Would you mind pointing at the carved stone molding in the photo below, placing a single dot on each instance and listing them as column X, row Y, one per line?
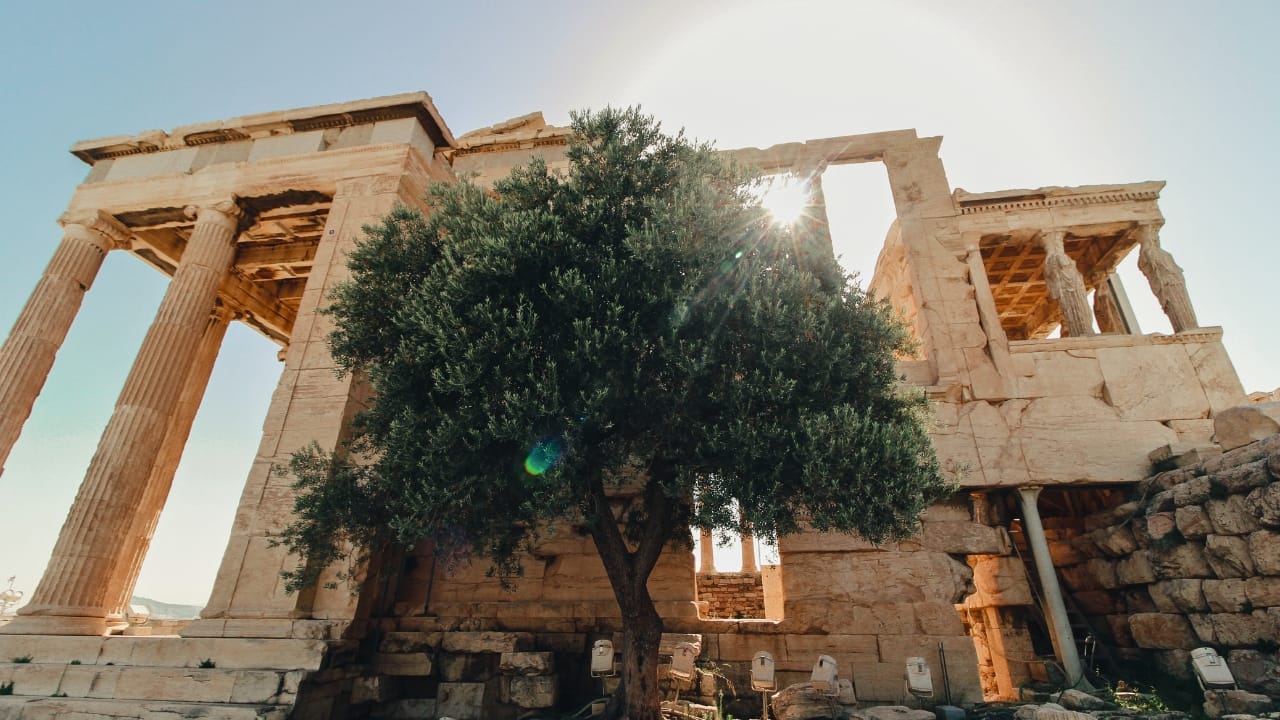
column 226, row 211
column 104, row 225
column 1101, row 198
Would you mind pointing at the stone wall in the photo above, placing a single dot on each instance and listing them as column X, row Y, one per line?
column 1192, row 560
column 731, row 595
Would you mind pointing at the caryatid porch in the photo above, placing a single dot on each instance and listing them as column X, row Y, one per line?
column 251, row 218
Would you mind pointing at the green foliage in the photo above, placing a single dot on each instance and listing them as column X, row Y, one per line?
column 6, row 688
column 207, row 663
column 22, row 659
column 637, row 315
column 75, row 662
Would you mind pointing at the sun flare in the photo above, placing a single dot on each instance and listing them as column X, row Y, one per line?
column 785, row 198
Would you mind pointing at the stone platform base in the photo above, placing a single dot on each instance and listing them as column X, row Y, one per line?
column 154, row 678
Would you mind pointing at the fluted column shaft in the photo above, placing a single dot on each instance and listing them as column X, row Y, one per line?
column 1066, row 285
column 27, row 354
column 72, row 597
column 133, row 550
column 1057, row 607
column 1165, row 277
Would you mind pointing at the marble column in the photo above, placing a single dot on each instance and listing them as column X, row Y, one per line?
column 706, row 552
column 73, row 595
column 1055, row 606
column 749, row 553
column 28, row 353
column 1167, row 282
column 1066, row 285
column 133, row 550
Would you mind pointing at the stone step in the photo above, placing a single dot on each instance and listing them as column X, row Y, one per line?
column 21, row 707
column 199, row 685
column 227, row 653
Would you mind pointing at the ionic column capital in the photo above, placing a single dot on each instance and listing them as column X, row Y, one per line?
column 226, row 212
column 99, row 227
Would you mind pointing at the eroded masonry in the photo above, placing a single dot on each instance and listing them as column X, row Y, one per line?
column 1045, row 391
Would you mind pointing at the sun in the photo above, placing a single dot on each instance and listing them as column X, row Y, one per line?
column 785, row 198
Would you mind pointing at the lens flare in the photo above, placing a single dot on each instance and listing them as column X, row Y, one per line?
column 544, row 456
column 785, row 198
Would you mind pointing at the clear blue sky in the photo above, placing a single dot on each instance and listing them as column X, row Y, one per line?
column 1025, row 94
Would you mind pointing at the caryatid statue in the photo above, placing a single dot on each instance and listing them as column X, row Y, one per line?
column 1167, row 283
column 1065, row 284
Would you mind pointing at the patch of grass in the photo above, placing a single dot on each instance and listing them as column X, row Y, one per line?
column 22, row 659
column 75, row 662
column 58, row 694
column 208, row 663
column 6, row 688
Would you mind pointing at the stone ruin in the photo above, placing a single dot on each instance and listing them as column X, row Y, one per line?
column 1046, row 394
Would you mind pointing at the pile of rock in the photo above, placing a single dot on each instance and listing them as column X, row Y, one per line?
column 1192, row 560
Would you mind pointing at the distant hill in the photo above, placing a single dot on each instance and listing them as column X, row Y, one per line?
column 167, row 611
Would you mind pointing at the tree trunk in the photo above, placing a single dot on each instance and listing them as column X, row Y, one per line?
column 637, row 697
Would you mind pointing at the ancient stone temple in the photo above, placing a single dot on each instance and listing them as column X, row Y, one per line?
column 1047, row 395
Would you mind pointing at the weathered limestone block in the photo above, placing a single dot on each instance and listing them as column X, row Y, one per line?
column 1240, row 629
column 822, row 616
column 1264, row 502
column 404, row 664
column 1138, row 600
column 1181, row 561
column 1000, row 581
column 1098, row 602
column 1105, row 572
column 895, row 712
column 1231, row 515
column 485, row 642
column 1202, row 624
column 1180, row 595
column 1228, row 556
column 527, row 663
column 1073, row 699
column 1159, row 525
column 1192, row 521
column 1239, row 480
column 1225, row 596
column 1243, row 424
column 1156, row 382
column 1219, row 704
column 1116, row 542
column 407, row 642
column 1193, row 491
column 1175, row 663
column 1079, row 577
column 1162, row 631
column 1263, row 592
column 964, row 538
column 372, row 689
column 1264, row 551
column 461, row 667
column 1120, row 632
column 1136, row 569
column 460, row 700
column 1256, row 671
column 532, row 691
column 802, row 702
